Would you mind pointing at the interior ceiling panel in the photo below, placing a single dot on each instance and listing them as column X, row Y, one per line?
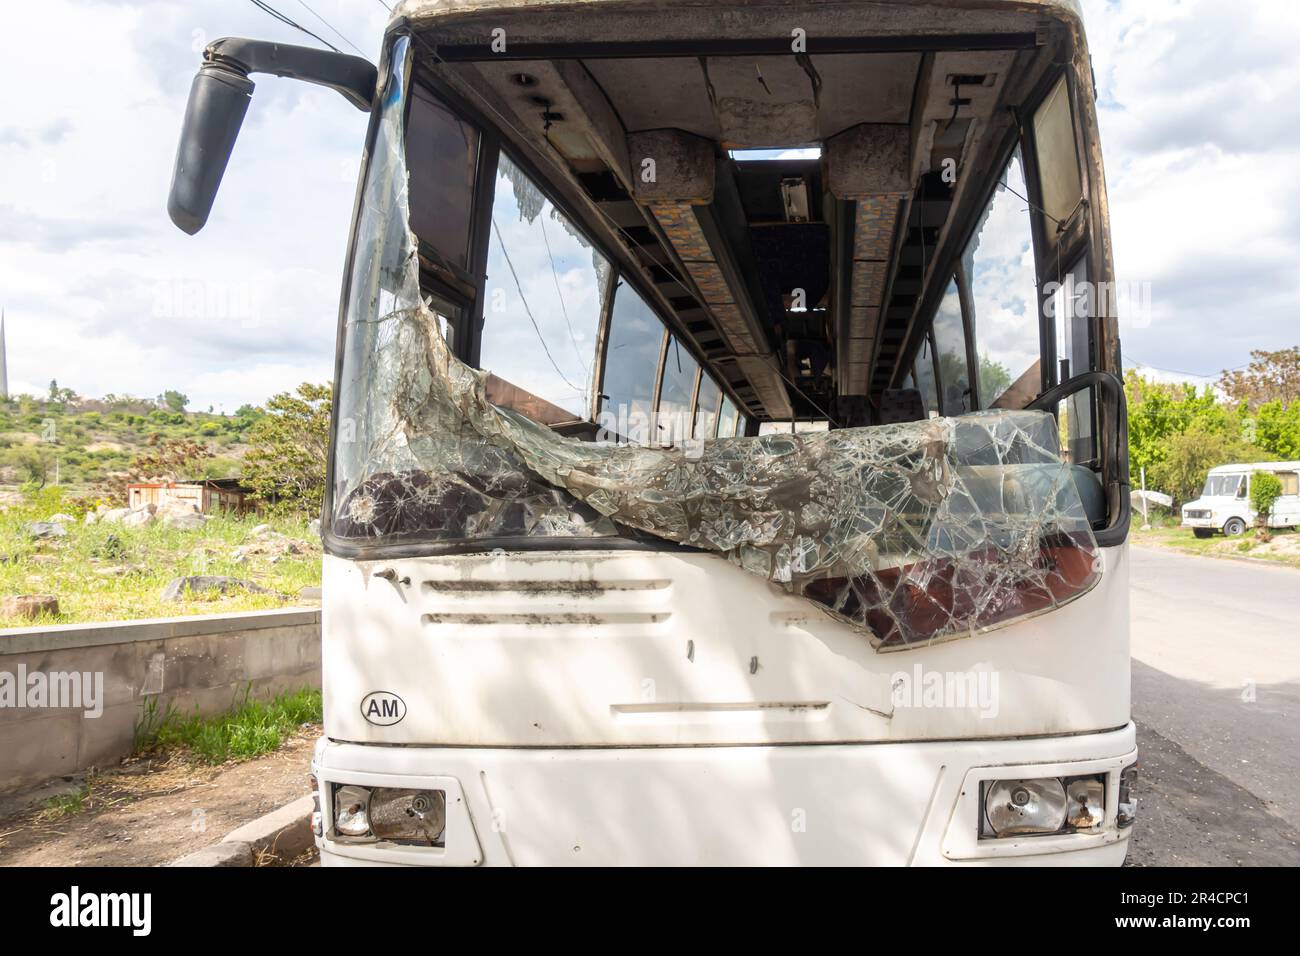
column 763, row 101
column 939, row 96
column 865, row 88
column 680, row 97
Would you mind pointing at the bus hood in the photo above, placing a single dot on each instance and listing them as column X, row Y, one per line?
column 653, row 648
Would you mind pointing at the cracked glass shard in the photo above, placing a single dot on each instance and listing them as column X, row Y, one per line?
column 910, row 533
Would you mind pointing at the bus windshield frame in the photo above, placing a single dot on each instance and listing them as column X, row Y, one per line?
column 460, row 288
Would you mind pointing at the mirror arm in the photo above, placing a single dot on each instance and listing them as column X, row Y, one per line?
column 352, row 76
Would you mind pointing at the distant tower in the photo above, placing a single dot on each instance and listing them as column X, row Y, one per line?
column 4, row 362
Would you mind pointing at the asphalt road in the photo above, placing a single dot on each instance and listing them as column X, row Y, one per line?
column 1216, row 697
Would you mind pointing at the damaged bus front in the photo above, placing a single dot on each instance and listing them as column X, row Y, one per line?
column 728, row 457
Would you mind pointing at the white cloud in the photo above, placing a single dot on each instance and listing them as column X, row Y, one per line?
column 1196, row 107
column 102, row 293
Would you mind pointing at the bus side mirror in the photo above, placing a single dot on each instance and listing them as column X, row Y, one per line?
column 219, row 99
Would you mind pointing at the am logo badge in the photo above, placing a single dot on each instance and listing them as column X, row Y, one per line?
column 382, row 708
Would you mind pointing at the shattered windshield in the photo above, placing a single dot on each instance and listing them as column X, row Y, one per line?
column 908, row 532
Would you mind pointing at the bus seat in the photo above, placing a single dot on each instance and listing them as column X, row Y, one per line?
column 1091, row 493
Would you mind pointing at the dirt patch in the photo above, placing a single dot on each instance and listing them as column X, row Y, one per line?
column 154, row 810
column 1279, row 546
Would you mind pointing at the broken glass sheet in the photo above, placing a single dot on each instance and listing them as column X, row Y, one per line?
column 909, row 532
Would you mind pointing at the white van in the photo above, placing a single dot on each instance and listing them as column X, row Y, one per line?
column 1224, row 504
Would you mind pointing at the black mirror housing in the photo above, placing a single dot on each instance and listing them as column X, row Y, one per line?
column 218, row 102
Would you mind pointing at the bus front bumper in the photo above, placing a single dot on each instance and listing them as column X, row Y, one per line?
column 839, row 804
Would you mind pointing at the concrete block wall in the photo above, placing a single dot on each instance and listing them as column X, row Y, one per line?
column 202, row 662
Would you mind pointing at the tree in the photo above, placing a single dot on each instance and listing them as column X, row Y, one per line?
column 33, row 465
column 995, row 378
column 1270, row 377
column 1277, row 429
column 60, row 396
column 174, row 400
column 1157, row 412
column 286, row 464
column 1190, row 454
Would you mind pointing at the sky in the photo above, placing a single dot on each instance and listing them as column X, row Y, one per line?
column 1199, row 102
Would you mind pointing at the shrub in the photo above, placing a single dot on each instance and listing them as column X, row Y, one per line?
column 1265, row 489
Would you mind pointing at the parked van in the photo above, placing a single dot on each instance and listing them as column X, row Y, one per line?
column 1224, row 504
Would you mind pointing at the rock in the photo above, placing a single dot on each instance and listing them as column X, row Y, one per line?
column 185, row 520
column 61, row 518
column 309, row 594
column 177, row 588
column 139, row 518
column 44, row 529
column 91, row 517
column 29, row 605
column 313, row 527
column 172, row 506
column 262, row 530
column 114, row 515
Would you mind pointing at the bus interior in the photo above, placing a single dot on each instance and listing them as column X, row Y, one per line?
column 760, row 235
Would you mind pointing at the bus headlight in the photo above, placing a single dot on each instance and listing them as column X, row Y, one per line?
column 352, row 811
column 389, row 813
column 409, row 816
column 1087, row 799
column 1025, row 806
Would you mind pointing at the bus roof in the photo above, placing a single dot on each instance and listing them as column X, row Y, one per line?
column 922, row 22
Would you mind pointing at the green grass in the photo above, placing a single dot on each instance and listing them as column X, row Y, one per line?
column 252, row 728
column 91, row 795
column 1171, row 535
column 66, row 804
column 103, row 572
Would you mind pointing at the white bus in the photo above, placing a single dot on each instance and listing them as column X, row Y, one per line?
column 1224, row 504
column 577, row 609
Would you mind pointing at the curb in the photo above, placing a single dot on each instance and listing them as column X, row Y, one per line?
column 282, row 835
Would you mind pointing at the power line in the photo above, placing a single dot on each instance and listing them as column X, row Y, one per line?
column 555, row 276
column 523, row 298
column 271, row 11
column 303, row 4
